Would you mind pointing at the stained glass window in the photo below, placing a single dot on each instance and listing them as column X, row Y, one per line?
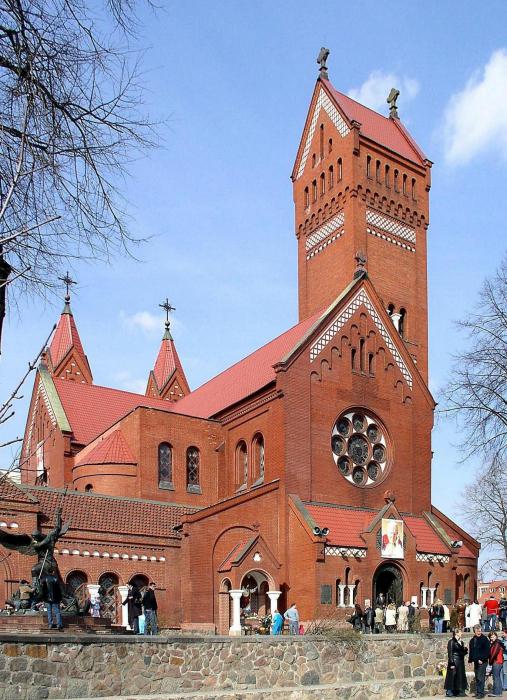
column 193, row 469
column 165, row 463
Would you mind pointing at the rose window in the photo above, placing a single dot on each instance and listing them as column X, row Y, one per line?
column 359, row 446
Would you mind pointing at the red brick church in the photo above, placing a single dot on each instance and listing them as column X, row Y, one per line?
column 301, row 473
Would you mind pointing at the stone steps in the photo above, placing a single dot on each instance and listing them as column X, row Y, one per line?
column 421, row 688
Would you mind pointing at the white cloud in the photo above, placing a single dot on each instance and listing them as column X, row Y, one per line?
column 475, row 119
column 374, row 91
column 148, row 324
column 129, row 383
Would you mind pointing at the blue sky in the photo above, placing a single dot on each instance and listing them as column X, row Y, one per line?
column 235, row 80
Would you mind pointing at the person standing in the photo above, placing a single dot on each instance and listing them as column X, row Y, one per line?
column 292, row 617
column 52, row 596
column 455, row 679
column 402, row 624
column 503, row 639
column 379, row 619
column 150, row 610
column 502, row 611
column 411, row 616
column 391, row 617
column 474, row 615
column 369, row 619
column 478, row 655
column 25, row 595
column 438, row 616
column 134, row 607
column 496, row 658
column 277, row 623
column 446, row 622
column 491, row 606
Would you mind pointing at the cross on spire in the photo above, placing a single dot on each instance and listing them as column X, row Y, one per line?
column 68, row 282
column 168, row 308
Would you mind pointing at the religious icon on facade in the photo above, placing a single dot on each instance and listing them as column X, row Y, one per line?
column 392, row 539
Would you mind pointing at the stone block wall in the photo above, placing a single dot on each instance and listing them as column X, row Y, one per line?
column 47, row 667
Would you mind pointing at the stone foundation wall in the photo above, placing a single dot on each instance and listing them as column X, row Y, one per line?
column 50, row 668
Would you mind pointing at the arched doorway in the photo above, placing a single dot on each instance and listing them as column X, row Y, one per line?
column 389, row 581
column 141, row 581
column 255, row 599
column 76, row 582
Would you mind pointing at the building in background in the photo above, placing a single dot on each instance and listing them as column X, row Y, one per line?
column 301, row 473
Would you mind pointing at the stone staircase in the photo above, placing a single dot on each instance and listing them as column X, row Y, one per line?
column 72, row 624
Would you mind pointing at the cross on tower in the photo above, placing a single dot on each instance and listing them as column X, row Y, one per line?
column 168, row 308
column 68, row 281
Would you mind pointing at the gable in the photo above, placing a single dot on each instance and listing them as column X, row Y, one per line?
column 361, row 298
column 323, row 102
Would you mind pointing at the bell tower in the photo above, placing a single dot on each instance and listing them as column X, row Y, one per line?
column 361, row 191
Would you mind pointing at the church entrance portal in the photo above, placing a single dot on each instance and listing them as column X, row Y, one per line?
column 389, row 581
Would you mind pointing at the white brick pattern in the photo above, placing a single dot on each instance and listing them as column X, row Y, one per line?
column 441, row 558
column 332, row 226
column 387, row 224
column 360, row 298
column 345, row 552
column 323, row 102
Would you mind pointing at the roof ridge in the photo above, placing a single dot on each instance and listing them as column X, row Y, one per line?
column 105, row 496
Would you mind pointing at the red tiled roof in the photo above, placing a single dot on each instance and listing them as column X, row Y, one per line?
column 345, row 524
column 64, row 338
column 244, row 378
column 113, row 449
column 112, row 514
column 91, row 409
column 233, row 554
column 463, row 551
column 426, row 538
column 167, row 361
column 9, row 491
column 388, row 132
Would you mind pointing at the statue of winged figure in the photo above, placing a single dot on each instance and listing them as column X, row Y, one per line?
column 40, row 546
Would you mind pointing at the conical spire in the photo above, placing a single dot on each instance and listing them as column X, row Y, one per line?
column 167, row 379
column 66, row 356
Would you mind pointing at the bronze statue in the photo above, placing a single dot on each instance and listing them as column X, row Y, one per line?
column 42, row 547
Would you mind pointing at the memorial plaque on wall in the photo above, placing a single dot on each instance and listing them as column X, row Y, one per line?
column 326, row 594
column 448, row 596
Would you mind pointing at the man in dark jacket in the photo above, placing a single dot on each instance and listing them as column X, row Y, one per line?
column 478, row 654
column 411, row 616
column 52, row 595
column 150, row 610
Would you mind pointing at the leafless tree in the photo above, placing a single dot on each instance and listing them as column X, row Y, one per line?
column 477, row 392
column 484, row 508
column 70, row 123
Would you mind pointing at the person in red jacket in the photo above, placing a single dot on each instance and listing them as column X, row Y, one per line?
column 491, row 606
column 496, row 661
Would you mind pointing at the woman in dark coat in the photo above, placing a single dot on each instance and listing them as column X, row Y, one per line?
column 455, row 678
column 134, row 608
column 356, row 620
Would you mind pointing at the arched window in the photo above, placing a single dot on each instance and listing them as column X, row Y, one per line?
column 331, row 177
column 258, row 456
column 314, row 160
column 307, row 197
column 387, row 177
column 193, row 470
column 390, row 309
column 74, row 580
column 368, row 166
column 413, row 188
column 396, row 181
column 322, row 140
column 361, row 354
column 340, row 169
column 314, row 190
column 89, row 488
column 404, row 184
column 353, row 358
column 371, row 364
column 241, row 464
column 330, row 145
column 402, row 324
column 322, row 184
column 377, row 171
column 165, row 464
